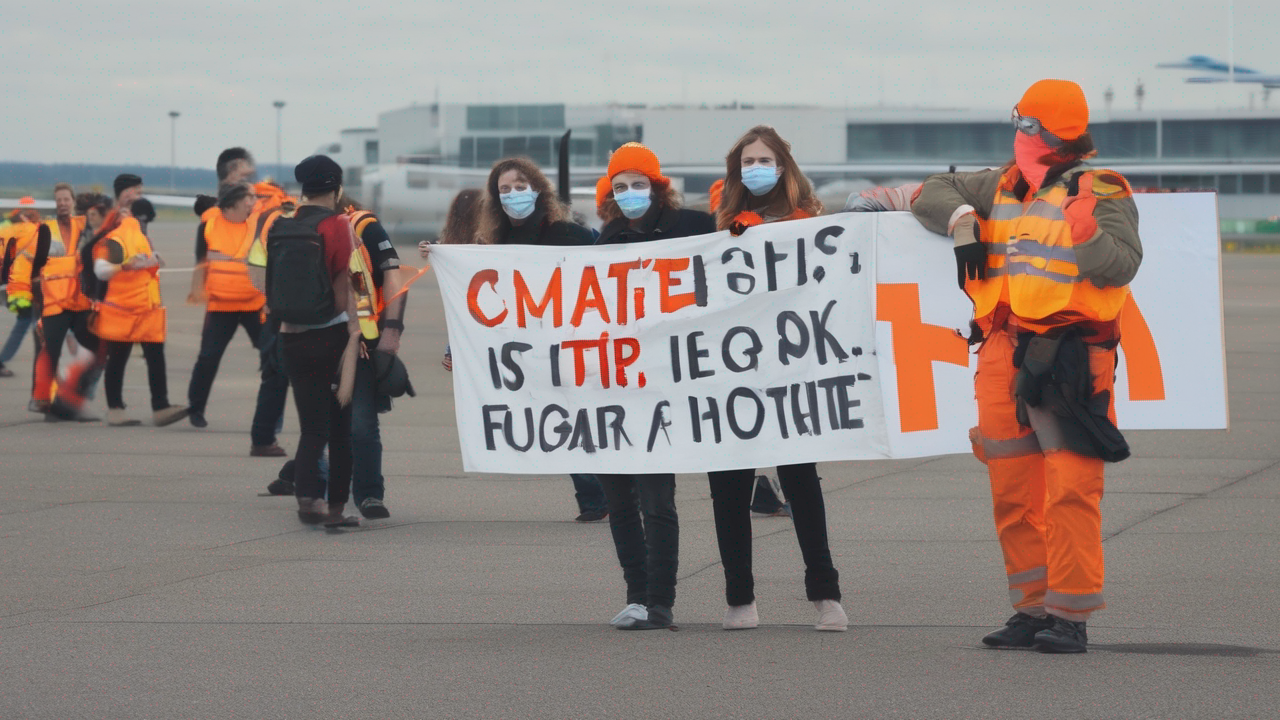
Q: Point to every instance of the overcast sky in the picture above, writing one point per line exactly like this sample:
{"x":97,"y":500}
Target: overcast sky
{"x":94,"y":83}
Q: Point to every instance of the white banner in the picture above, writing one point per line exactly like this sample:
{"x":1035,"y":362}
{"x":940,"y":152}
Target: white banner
{"x":833,"y":338}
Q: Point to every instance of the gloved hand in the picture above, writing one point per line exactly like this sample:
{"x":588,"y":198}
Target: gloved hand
{"x":743,"y":221}
{"x":971,"y":253}
{"x":19,"y":302}
{"x":1078,"y":209}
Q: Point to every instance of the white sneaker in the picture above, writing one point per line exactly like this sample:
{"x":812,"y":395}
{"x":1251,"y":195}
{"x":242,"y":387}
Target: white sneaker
{"x":831,"y":616}
{"x":630,"y":615}
{"x":741,"y":617}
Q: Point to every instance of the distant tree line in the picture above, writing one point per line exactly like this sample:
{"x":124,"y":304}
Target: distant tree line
{"x":38,"y":179}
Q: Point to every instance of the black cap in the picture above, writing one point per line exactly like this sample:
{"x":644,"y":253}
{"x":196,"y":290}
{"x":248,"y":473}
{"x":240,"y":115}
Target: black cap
{"x":125,"y":181}
{"x":318,"y":175}
{"x":392,"y":377}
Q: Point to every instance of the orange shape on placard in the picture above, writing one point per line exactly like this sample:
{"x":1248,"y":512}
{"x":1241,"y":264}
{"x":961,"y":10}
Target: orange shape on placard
{"x":916,"y":346}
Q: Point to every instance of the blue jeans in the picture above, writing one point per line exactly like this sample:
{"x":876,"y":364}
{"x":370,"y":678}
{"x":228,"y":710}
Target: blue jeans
{"x":273,"y":390}
{"x":589,"y":493}
{"x":21,"y":325}
{"x":366,"y":437}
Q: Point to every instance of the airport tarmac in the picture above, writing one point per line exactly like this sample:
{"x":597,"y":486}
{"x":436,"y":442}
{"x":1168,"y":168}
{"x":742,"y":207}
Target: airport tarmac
{"x":143,"y":575}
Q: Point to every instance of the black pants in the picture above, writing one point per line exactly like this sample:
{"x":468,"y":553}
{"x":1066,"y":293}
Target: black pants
{"x":731,"y":501}
{"x":56,"y":327}
{"x":311,"y":359}
{"x":273,"y":389}
{"x":118,"y":357}
{"x":648,"y":551}
{"x":219,"y":329}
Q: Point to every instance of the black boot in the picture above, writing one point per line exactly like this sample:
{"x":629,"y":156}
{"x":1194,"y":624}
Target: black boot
{"x":1064,"y":637}
{"x":1019,"y":632}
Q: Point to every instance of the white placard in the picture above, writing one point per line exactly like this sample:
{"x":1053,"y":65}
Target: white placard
{"x":890,"y":376}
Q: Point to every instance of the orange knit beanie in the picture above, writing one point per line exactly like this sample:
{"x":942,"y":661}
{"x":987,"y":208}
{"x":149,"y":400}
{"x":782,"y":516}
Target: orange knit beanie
{"x":635,"y":157}
{"x":1059,"y":105}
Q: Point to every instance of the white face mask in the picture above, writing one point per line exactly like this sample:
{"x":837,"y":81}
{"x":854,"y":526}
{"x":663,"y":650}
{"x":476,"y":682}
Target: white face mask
{"x":633,"y":203}
{"x":760,"y":179}
{"x":519,"y":204}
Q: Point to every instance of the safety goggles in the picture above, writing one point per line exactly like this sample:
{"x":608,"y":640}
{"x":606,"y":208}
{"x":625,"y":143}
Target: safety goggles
{"x":1031,"y":126}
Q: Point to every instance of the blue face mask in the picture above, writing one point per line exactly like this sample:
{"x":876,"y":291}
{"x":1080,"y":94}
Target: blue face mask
{"x":519,"y":204}
{"x":633,"y":203}
{"x":760,"y":179}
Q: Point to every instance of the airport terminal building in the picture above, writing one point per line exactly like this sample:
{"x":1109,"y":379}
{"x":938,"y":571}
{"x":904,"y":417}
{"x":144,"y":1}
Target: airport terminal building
{"x":1235,"y":152}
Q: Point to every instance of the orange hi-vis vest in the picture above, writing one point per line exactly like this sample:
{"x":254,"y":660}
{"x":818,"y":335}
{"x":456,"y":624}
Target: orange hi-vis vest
{"x":1031,"y":261}
{"x":131,"y":310}
{"x":228,"y":285}
{"x":60,"y":277}
{"x":20,"y":240}
{"x":369,"y":300}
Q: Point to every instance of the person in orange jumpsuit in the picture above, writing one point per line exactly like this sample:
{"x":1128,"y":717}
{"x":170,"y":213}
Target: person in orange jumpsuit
{"x":1046,"y":247}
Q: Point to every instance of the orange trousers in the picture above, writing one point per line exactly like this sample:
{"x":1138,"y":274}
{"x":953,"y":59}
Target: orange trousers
{"x":1045,"y":497}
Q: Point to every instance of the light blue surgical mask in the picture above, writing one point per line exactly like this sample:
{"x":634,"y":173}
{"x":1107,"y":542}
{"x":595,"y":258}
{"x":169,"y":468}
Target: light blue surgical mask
{"x":519,"y":204}
{"x":634,"y":203}
{"x":760,"y":179}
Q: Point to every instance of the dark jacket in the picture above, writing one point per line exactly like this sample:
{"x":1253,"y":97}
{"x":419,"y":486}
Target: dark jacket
{"x":537,"y":231}
{"x":658,"y":224}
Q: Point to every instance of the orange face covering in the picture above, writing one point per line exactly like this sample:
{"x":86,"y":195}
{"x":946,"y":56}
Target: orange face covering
{"x":1030,"y":153}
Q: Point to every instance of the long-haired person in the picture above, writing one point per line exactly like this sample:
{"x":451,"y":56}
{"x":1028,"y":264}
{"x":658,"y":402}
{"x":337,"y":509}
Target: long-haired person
{"x":459,"y":229}
{"x":764,"y":184}
{"x":1050,"y":310}
{"x":639,"y":205}
{"x":518,"y":206}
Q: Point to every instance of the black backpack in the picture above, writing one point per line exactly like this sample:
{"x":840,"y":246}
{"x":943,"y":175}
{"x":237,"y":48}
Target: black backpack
{"x":299,"y":288}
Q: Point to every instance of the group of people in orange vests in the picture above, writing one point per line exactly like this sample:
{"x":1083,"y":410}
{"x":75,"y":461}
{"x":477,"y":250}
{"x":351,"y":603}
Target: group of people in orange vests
{"x":1045,"y":247}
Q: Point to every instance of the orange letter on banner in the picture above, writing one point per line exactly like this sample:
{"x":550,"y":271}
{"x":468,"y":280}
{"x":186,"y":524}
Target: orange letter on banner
{"x":524,"y":300}
{"x":915,"y":348}
{"x":590,"y":284}
{"x":667,"y":302}
{"x":484,"y":277}
{"x":1141,"y":360}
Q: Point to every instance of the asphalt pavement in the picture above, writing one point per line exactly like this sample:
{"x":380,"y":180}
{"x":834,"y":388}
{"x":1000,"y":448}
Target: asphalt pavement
{"x":142,"y":574}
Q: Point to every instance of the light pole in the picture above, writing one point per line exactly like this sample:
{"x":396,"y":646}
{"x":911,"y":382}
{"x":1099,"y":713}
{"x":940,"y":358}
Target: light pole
{"x":173,"y":146}
{"x":279,"y":106}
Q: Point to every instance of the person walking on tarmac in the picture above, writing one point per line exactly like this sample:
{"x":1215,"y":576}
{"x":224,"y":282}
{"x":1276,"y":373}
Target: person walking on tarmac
{"x":308,"y":288}
{"x":25,"y":243}
{"x":1047,"y":309}
{"x":130,"y":310}
{"x":377,"y":280}
{"x":273,"y":387}
{"x":65,"y":310}
{"x":222,"y":248}
{"x":641,"y":206}
{"x":764,"y":184}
